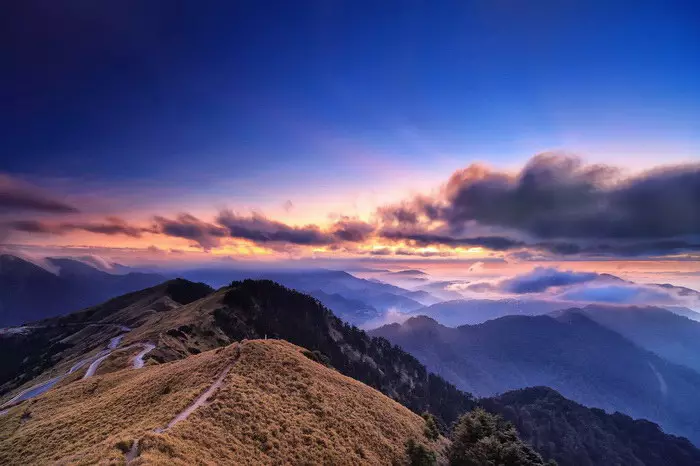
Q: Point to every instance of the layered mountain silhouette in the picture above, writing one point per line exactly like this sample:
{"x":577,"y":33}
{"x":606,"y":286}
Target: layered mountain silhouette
{"x":181,"y":373}
{"x":669,"y":335}
{"x":169,"y":316}
{"x":73,"y":284}
{"x":475,"y":311}
{"x":569,"y":352}
{"x":356,"y":300}
{"x":29,"y":292}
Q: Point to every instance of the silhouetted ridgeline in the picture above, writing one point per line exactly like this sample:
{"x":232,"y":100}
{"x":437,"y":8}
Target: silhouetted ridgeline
{"x":575,"y":435}
{"x":259,"y":308}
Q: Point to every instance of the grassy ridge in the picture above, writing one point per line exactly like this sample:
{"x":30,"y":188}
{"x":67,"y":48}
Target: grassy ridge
{"x":276,"y":405}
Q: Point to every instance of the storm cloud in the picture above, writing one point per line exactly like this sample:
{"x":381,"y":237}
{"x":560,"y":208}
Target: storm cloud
{"x":556,"y":196}
{"x":261,"y":229}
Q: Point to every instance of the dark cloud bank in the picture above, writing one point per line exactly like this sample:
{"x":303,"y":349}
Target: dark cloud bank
{"x":260,"y":229}
{"x":558,"y":204}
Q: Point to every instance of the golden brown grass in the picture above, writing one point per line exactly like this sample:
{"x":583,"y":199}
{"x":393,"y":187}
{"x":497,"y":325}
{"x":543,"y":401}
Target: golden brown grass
{"x":118,"y":360}
{"x":275,"y":407}
{"x":82,"y":422}
{"x":147,"y":325}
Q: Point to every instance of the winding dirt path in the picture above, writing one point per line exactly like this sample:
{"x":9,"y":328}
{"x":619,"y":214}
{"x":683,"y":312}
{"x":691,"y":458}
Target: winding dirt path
{"x":184,"y":414}
{"x":133,"y":452}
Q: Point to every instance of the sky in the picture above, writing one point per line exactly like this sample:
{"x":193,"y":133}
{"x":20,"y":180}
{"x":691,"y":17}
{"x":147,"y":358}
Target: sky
{"x":438,"y":133}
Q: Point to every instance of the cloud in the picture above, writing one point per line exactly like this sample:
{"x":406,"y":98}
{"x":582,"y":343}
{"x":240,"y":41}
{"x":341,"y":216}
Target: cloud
{"x":206,"y":235}
{"x":558,"y":204}
{"x":261,"y":229}
{"x":481,"y":287}
{"x":18,"y":197}
{"x":352,"y":230}
{"x":542,"y":278}
{"x":557,"y":196}
{"x":418,"y":253}
{"x":112,"y":226}
{"x":622,"y":293}
{"x":476,"y":267}
{"x":497,"y":243}
{"x":555,"y":206}
{"x":391,"y":316}
{"x":587,"y":287}
{"x":381,"y":252}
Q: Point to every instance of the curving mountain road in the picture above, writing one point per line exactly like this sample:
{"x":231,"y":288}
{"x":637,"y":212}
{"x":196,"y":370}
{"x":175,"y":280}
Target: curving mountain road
{"x":138,"y":360}
{"x":94,"y":361}
{"x":31,"y":392}
{"x":102,"y":355}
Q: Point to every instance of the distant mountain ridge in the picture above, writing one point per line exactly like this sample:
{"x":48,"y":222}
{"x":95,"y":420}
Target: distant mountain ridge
{"x":663,"y":332}
{"x":570,"y":353}
{"x":358,"y":300}
{"x":29,"y":292}
{"x":475,"y":311}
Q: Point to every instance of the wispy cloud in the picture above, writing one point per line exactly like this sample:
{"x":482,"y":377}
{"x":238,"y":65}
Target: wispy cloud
{"x":112,"y":226}
{"x":19,"y":197}
{"x":187,"y":226}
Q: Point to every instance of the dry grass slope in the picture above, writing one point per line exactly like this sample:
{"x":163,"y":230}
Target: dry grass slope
{"x":275,"y":407}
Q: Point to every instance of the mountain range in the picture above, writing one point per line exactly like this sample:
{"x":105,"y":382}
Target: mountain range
{"x":475,"y":311}
{"x":80,"y":373}
{"x":70,"y":284}
{"x":29,"y":292}
{"x":183,"y":318}
{"x":569,"y":352}
{"x":357,"y":300}
{"x":673,"y":337}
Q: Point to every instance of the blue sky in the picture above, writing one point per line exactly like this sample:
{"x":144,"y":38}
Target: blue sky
{"x":153,"y":108}
{"x":120,"y":90}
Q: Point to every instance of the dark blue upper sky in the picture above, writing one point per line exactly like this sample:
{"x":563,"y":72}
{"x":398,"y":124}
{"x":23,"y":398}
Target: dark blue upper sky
{"x":133,"y":89}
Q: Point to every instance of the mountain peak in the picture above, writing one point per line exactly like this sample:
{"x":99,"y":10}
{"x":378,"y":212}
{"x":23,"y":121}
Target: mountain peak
{"x":421,"y":321}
